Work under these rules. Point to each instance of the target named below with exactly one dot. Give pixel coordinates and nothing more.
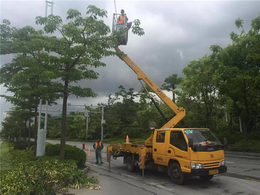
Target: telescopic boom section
(180, 112)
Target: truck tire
(206, 177)
(176, 174)
(130, 164)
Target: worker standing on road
(98, 146)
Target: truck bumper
(203, 172)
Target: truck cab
(188, 152)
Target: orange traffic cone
(127, 139)
(89, 154)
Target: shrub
(74, 153)
(45, 175)
(251, 146)
(254, 136)
(22, 145)
(231, 137)
(40, 177)
(71, 153)
(52, 150)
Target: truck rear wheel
(130, 164)
(176, 174)
(206, 177)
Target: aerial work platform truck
(182, 152)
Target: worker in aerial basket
(98, 146)
(122, 18)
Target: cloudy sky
(176, 32)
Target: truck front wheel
(176, 174)
(130, 164)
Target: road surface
(242, 178)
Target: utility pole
(48, 4)
(41, 135)
(87, 115)
(102, 122)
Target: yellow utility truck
(182, 152)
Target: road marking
(130, 176)
(229, 162)
(160, 186)
(254, 179)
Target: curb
(250, 154)
(86, 170)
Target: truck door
(159, 148)
(177, 148)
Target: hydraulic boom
(180, 112)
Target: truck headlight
(196, 166)
(223, 163)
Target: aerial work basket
(122, 39)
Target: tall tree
(198, 84)
(170, 84)
(6, 37)
(238, 73)
(29, 76)
(81, 45)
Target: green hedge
(22, 145)
(71, 153)
(22, 173)
(252, 146)
(52, 150)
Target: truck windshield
(203, 139)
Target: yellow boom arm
(180, 112)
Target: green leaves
(73, 13)
(136, 29)
(23, 174)
(6, 37)
(239, 23)
(51, 23)
(82, 92)
(93, 11)
(256, 24)
(237, 74)
(170, 84)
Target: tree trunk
(173, 96)
(64, 119)
(29, 128)
(25, 133)
(231, 122)
(245, 129)
(207, 120)
(20, 129)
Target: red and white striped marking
(140, 161)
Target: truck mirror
(190, 142)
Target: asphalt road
(243, 177)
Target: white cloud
(180, 52)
